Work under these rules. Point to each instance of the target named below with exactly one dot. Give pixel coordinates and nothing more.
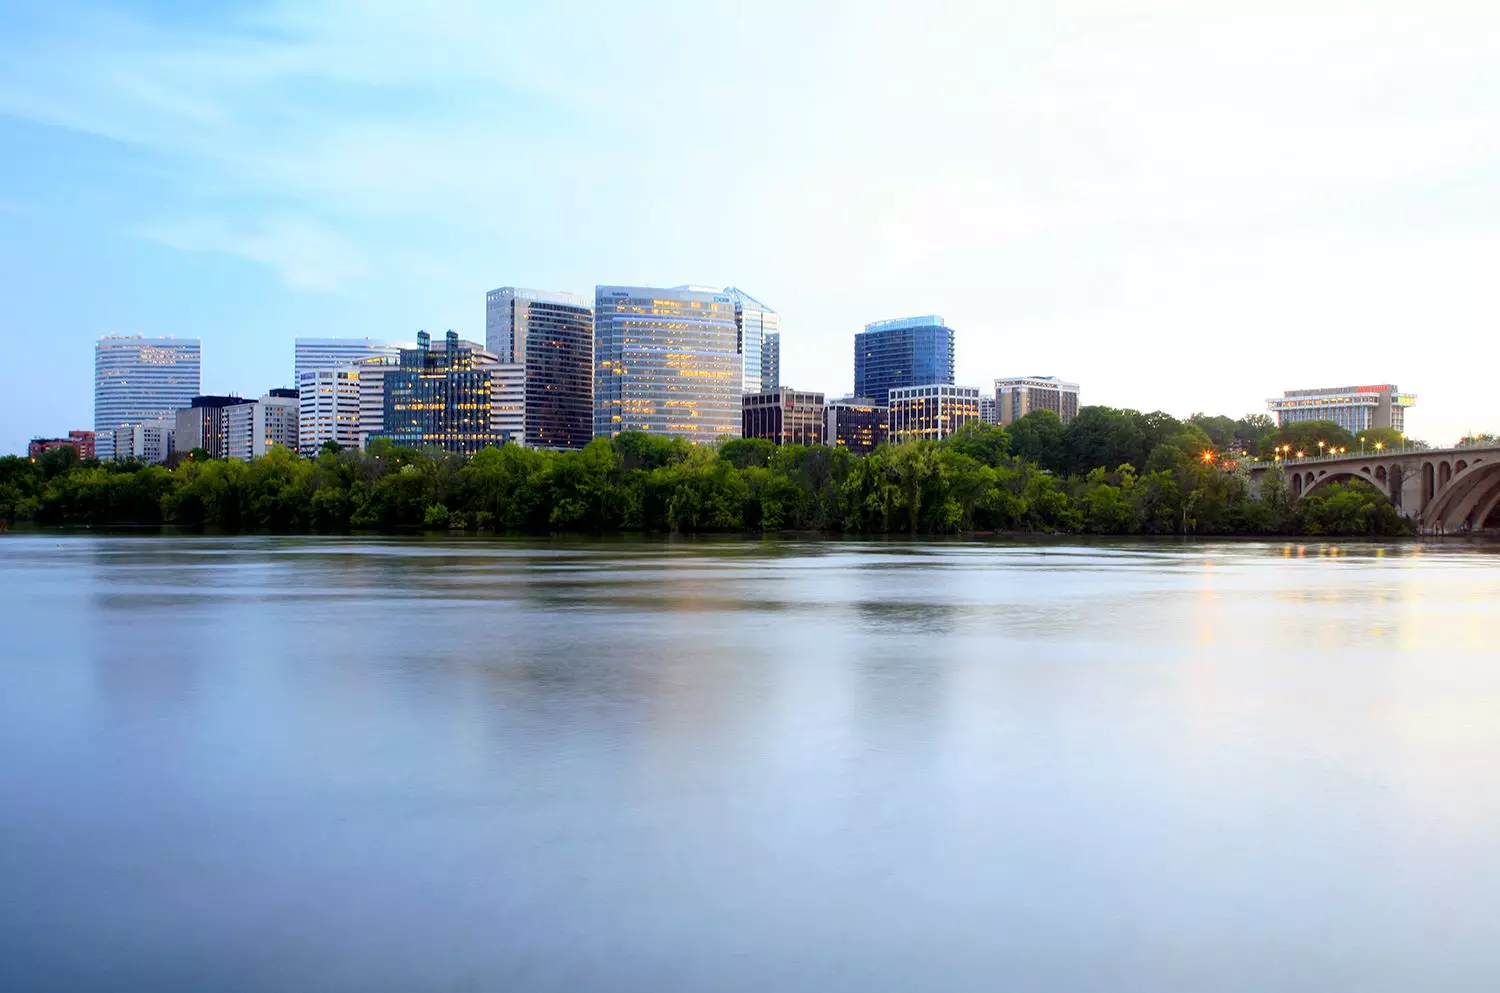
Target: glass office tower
(911, 351)
(552, 336)
(137, 380)
(770, 361)
(666, 361)
(441, 398)
(756, 325)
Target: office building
(932, 411)
(755, 324)
(784, 416)
(1017, 396)
(151, 442)
(445, 397)
(80, 441)
(1353, 408)
(328, 407)
(370, 387)
(551, 335)
(856, 423)
(666, 361)
(314, 354)
(911, 351)
(205, 425)
(140, 379)
(255, 428)
(770, 361)
(989, 409)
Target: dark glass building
(856, 423)
(784, 416)
(912, 351)
(442, 399)
(552, 336)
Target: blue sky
(1181, 208)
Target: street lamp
(1301, 454)
(1380, 446)
(1320, 447)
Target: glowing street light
(1208, 456)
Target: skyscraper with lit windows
(757, 331)
(552, 336)
(909, 351)
(138, 379)
(666, 361)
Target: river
(284, 764)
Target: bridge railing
(1259, 463)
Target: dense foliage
(1107, 472)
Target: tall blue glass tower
(911, 351)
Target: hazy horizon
(1178, 209)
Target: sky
(1181, 206)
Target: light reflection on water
(355, 764)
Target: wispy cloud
(307, 255)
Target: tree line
(1108, 471)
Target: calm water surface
(357, 765)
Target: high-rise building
(140, 379)
(666, 361)
(151, 442)
(784, 416)
(81, 442)
(255, 428)
(856, 423)
(370, 376)
(445, 397)
(1017, 396)
(754, 324)
(551, 335)
(327, 381)
(328, 407)
(910, 351)
(1353, 408)
(932, 412)
(770, 360)
(205, 425)
(330, 353)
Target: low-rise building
(80, 441)
(150, 441)
(931, 412)
(784, 416)
(856, 423)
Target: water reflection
(359, 764)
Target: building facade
(551, 335)
(151, 442)
(328, 407)
(784, 416)
(910, 351)
(770, 361)
(370, 377)
(931, 412)
(989, 408)
(856, 423)
(1353, 408)
(205, 424)
(313, 354)
(140, 379)
(445, 398)
(255, 428)
(755, 324)
(666, 361)
(83, 442)
(1017, 396)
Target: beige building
(931, 412)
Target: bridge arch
(1429, 485)
(1342, 475)
(1468, 499)
(1380, 476)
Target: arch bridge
(1444, 489)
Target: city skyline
(1120, 199)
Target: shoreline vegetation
(1108, 472)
